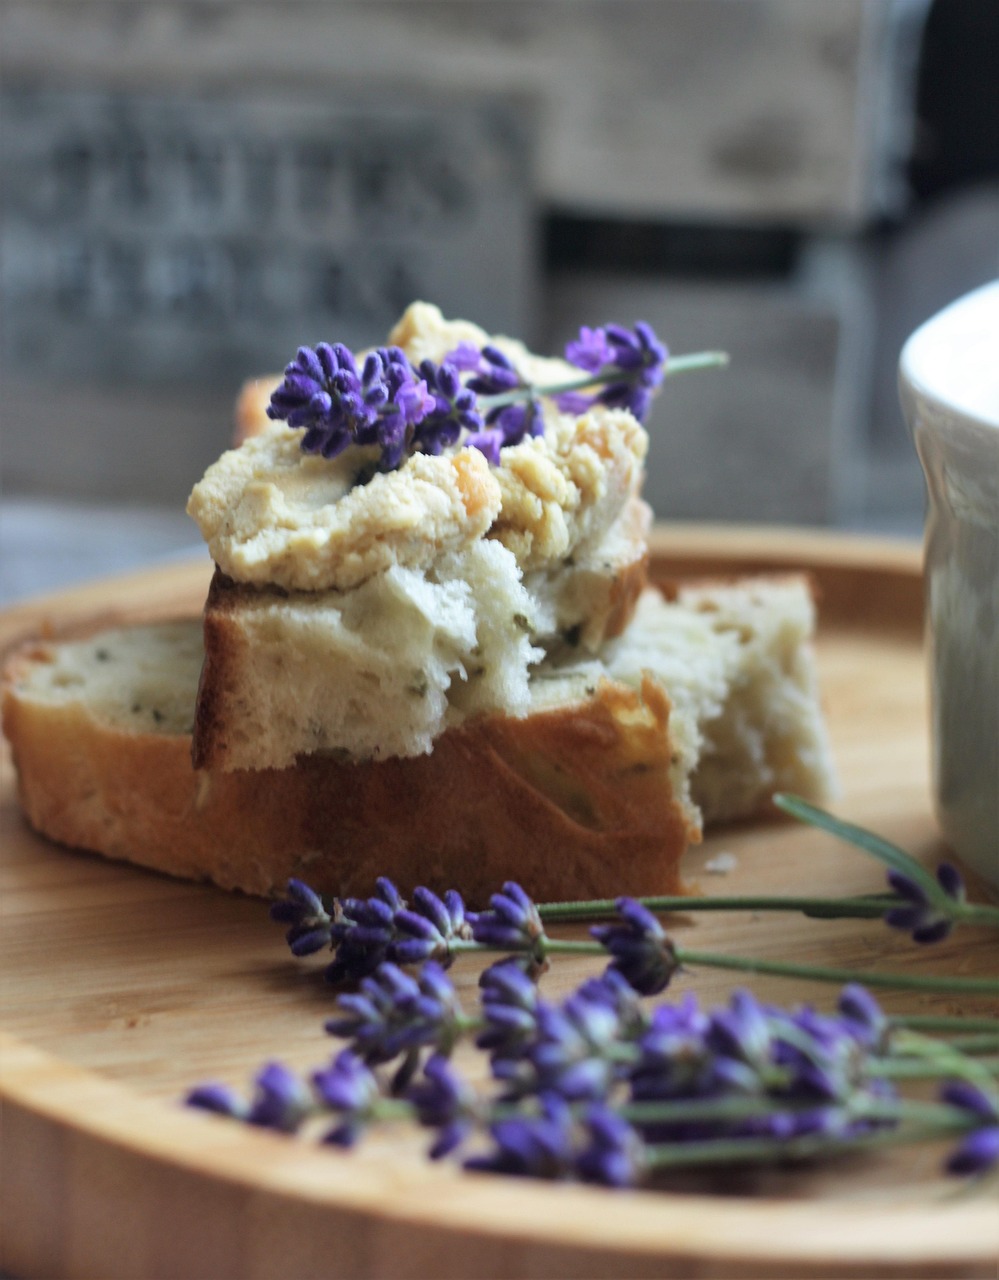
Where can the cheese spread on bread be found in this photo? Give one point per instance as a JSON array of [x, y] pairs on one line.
[[273, 515]]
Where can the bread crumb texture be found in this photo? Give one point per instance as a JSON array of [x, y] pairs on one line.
[[272, 515]]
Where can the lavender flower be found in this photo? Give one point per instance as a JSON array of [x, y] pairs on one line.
[[614, 1153], [427, 930], [350, 1088], [615, 991], [978, 1153], [921, 918], [495, 377], [309, 921], [363, 932], [219, 1099], [863, 1018], [338, 404], [454, 405], [632, 363], [591, 351], [642, 952], [445, 1102], [395, 1013], [281, 1101], [571, 1052], [513, 924], [510, 1004], [532, 1146]]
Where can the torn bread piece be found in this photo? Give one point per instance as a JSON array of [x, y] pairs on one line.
[[384, 669]]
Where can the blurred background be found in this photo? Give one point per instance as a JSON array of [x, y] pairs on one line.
[[192, 189]]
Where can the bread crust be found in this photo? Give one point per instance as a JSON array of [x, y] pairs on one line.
[[572, 803]]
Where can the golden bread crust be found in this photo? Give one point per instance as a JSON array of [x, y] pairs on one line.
[[572, 803]]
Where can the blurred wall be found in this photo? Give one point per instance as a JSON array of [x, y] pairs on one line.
[[192, 189]]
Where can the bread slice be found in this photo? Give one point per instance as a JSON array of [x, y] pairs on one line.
[[385, 668], [597, 790]]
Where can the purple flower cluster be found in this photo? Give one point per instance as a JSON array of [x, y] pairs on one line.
[[338, 404], [598, 1086], [397, 1014], [631, 363], [366, 932], [810, 1069], [384, 402]]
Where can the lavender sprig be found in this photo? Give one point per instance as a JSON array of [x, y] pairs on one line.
[[742, 1082], [338, 400], [367, 932]]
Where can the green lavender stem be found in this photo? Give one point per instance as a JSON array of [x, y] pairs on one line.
[[944, 1023], [674, 365], [545, 946], [870, 907], [767, 1150], [824, 973]]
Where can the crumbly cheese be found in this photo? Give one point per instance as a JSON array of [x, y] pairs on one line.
[[273, 515]]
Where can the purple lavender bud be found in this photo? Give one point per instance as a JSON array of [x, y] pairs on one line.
[[742, 1031], [590, 351], [455, 407], [281, 1101], [513, 924], [674, 1060], [569, 1052], [516, 422], [443, 1101], [976, 1154], [350, 1088], [338, 404], [613, 1156], [642, 952], [510, 1003], [488, 442], [309, 921], [613, 990], [219, 1099], [393, 1013], [465, 358], [427, 930], [496, 375], [575, 402], [863, 1017], [633, 360], [971, 1097], [920, 918], [538, 1146]]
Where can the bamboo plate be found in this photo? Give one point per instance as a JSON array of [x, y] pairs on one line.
[[121, 988]]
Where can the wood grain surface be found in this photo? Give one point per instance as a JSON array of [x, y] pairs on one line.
[[120, 988]]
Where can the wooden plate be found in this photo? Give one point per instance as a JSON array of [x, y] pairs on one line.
[[121, 988]]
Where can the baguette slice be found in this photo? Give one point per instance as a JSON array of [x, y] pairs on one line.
[[384, 669], [596, 792]]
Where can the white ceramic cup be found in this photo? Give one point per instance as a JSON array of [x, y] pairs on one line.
[[949, 382]]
